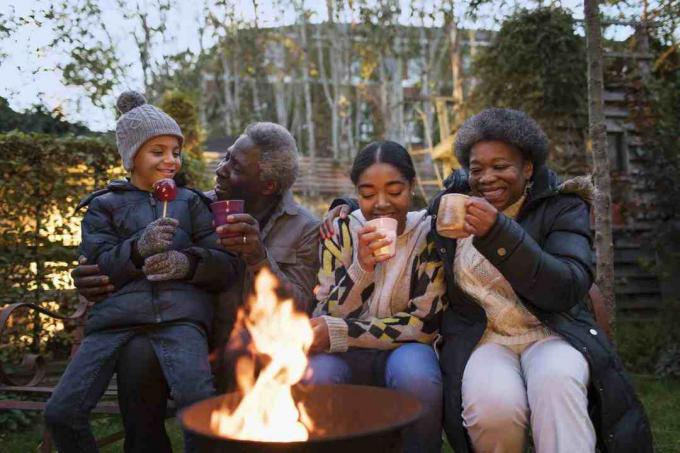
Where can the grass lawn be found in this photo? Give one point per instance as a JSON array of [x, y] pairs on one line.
[[661, 398]]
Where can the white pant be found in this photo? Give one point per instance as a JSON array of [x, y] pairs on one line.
[[547, 381]]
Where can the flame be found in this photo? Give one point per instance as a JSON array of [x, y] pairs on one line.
[[267, 411]]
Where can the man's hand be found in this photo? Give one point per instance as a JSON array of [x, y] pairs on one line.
[[322, 339], [243, 239], [157, 236], [480, 216], [371, 240], [327, 230], [90, 282], [172, 265]]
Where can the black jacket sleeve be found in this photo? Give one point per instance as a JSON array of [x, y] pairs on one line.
[[215, 269], [556, 276], [102, 245]]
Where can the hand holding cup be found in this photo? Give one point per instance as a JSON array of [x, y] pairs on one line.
[[480, 216], [223, 209], [377, 242]]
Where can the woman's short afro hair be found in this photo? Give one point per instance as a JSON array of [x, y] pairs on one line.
[[506, 125]]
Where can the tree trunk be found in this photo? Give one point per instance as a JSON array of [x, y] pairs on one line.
[[456, 69], [598, 139], [279, 86], [226, 80], [256, 98], [307, 92], [392, 98], [331, 97]]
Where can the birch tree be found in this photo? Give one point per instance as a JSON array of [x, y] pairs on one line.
[[382, 56], [331, 88], [307, 91], [225, 28], [150, 18]]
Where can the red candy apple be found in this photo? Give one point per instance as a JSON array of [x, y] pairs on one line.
[[165, 190]]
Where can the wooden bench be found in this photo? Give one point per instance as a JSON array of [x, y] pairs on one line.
[[30, 376]]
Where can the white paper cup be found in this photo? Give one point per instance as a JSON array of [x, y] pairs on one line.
[[451, 216], [388, 227]]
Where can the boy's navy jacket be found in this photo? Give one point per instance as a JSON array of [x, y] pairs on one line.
[[115, 219]]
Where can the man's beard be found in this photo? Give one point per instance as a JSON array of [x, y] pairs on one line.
[[226, 192], [222, 191]]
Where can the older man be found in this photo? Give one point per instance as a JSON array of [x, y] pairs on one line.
[[275, 232]]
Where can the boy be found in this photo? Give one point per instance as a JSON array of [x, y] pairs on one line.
[[165, 271]]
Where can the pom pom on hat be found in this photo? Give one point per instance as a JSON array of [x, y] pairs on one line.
[[129, 100]]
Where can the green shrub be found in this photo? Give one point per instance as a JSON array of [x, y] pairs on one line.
[[43, 179], [13, 420], [648, 345], [182, 108]]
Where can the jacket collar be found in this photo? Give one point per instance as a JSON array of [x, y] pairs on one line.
[[286, 205], [116, 185]]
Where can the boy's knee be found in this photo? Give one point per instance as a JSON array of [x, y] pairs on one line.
[[186, 396], [57, 414]]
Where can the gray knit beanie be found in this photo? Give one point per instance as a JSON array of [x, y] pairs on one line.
[[139, 123]]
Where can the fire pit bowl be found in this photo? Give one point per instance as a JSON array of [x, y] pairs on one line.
[[347, 418]]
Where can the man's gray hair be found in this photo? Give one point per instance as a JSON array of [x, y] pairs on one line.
[[506, 125], [278, 153]]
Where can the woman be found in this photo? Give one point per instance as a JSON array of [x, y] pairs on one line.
[[520, 347], [376, 317]]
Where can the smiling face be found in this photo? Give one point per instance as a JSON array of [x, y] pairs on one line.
[[238, 175], [498, 172], [384, 192], [158, 158]]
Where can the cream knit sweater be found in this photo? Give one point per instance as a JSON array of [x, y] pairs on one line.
[[401, 301], [508, 320]]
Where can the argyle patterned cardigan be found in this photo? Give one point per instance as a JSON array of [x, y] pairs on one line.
[[401, 301]]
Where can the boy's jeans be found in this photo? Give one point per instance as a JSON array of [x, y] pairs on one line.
[[182, 351]]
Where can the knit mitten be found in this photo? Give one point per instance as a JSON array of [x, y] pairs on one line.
[[172, 265], [157, 236]]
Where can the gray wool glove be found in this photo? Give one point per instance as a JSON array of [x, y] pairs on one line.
[[157, 236], [172, 265]]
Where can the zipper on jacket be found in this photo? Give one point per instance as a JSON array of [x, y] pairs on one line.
[[154, 288]]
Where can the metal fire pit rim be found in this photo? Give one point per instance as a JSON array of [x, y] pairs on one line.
[[318, 440]]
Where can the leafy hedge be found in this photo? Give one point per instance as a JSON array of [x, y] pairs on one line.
[[43, 178]]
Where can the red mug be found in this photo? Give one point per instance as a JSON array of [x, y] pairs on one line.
[[222, 209]]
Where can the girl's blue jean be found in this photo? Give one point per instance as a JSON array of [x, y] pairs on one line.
[[182, 351], [412, 368]]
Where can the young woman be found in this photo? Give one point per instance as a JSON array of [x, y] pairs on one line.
[[376, 317]]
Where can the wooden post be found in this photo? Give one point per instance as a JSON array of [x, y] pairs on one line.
[[604, 244]]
